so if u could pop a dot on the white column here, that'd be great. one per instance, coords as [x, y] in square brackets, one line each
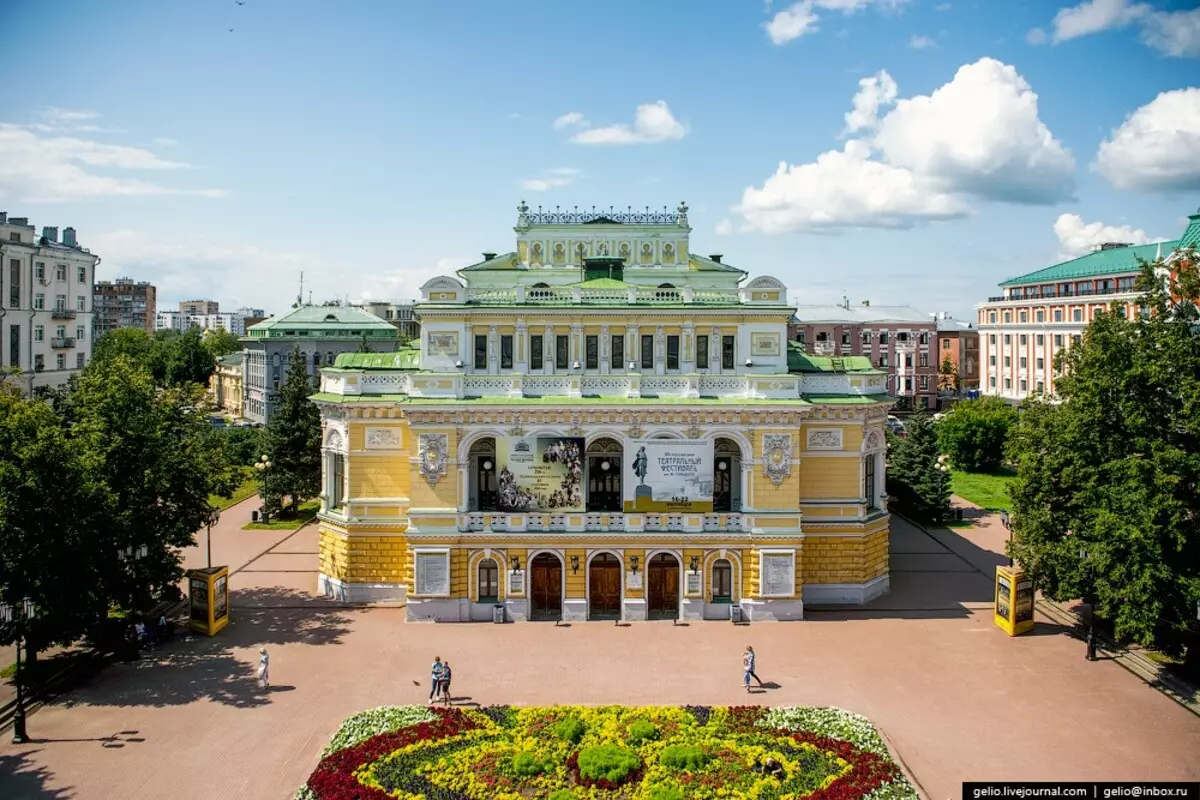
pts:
[605, 351]
[551, 348]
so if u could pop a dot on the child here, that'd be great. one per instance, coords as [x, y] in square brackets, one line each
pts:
[263, 663]
[445, 682]
[436, 682]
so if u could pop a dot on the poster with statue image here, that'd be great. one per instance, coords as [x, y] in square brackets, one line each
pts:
[669, 476]
[540, 473]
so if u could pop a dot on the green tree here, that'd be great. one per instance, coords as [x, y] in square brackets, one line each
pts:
[50, 505]
[243, 444]
[220, 342]
[160, 459]
[975, 432]
[293, 441]
[189, 361]
[1106, 503]
[916, 482]
[151, 352]
[947, 376]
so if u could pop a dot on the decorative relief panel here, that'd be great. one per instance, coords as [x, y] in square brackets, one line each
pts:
[824, 439]
[777, 456]
[383, 439]
[433, 451]
[873, 441]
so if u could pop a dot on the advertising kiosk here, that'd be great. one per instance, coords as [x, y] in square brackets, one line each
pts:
[1013, 607]
[208, 599]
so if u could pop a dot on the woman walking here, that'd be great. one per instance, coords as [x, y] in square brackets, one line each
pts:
[748, 669]
[436, 678]
[264, 662]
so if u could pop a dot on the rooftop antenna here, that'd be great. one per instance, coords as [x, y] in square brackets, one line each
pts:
[845, 301]
[300, 296]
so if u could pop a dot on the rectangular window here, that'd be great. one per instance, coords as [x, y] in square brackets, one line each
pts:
[647, 352]
[39, 362]
[1098, 310]
[81, 274]
[1077, 315]
[702, 350]
[1125, 284]
[1040, 387]
[60, 361]
[1008, 383]
[14, 345]
[728, 352]
[992, 339]
[14, 283]
[992, 360]
[672, 352]
[79, 332]
[489, 581]
[593, 353]
[923, 360]
[60, 332]
[869, 482]
[562, 352]
[722, 581]
[924, 383]
[923, 402]
[79, 303]
[1024, 340]
[846, 337]
[923, 338]
[60, 272]
[1024, 385]
[60, 302]
[536, 351]
[883, 337]
[506, 351]
[1007, 317]
[1007, 362]
[1040, 340]
[618, 351]
[1058, 340]
[800, 337]
[79, 361]
[992, 381]
[866, 337]
[1024, 362]
[1058, 315]
[480, 352]
[1041, 364]
[883, 359]
[1040, 316]
[1076, 339]
[39, 301]
[1007, 338]
[1024, 316]
[39, 333]
[992, 318]
[945, 344]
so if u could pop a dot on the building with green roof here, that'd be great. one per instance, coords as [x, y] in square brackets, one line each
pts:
[1041, 312]
[320, 332]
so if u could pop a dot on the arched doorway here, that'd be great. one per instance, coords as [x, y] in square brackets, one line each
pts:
[604, 587]
[482, 459]
[604, 475]
[727, 477]
[662, 587]
[545, 587]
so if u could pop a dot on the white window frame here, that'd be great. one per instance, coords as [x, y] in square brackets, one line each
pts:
[418, 554]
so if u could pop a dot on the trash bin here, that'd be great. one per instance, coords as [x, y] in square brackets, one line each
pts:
[958, 514]
[498, 613]
[254, 515]
[735, 613]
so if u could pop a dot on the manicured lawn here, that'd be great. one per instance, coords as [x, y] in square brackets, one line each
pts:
[247, 488]
[288, 521]
[988, 491]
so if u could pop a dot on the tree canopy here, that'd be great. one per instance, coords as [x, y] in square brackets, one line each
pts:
[293, 441]
[916, 482]
[172, 358]
[975, 432]
[1106, 503]
[220, 342]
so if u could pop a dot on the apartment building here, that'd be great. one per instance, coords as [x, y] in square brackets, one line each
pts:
[957, 348]
[899, 339]
[123, 303]
[46, 289]
[199, 307]
[401, 315]
[1040, 313]
[231, 321]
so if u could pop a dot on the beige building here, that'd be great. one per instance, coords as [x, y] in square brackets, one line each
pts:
[225, 385]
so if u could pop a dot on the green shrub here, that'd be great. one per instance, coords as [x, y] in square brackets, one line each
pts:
[642, 731]
[564, 794]
[666, 793]
[569, 730]
[526, 765]
[610, 762]
[975, 432]
[684, 757]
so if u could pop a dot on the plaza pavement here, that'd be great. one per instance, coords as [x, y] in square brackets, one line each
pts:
[958, 699]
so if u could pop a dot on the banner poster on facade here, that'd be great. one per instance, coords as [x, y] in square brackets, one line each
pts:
[540, 474]
[669, 476]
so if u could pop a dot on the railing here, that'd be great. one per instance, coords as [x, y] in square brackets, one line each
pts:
[1063, 295]
[629, 295]
[62, 313]
[594, 522]
[60, 342]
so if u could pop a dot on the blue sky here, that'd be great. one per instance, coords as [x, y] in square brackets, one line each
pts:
[375, 144]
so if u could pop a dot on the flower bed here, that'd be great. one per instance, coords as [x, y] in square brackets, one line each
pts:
[606, 753]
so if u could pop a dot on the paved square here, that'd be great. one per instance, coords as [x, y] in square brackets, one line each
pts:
[958, 699]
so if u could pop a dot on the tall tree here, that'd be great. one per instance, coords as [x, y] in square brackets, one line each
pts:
[50, 506]
[220, 342]
[144, 349]
[1106, 503]
[364, 346]
[916, 481]
[293, 441]
[975, 432]
[947, 376]
[189, 360]
[160, 459]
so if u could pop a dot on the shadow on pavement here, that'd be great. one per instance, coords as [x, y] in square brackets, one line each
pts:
[26, 781]
[195, 667]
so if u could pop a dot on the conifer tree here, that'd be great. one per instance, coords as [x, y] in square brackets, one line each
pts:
[916, 482]
[293, 442]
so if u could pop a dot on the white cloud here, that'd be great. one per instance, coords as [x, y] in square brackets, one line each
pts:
[652, 123]
[978, 136]
[1036, 36]
[165, 141]
[1157, 148]
[1173, 33]
[873, 92]
[918, 42]
[844, 189]
[800, 18]
[53, 115]
[1076, 237]
[942, 7]
[568, 120]
[724, 228]
[39, 169]
[551, 179]
[405, 283]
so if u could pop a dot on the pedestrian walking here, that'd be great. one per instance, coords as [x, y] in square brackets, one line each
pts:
[444, 684]
[436, 678]
[264, 662]
[748, 668]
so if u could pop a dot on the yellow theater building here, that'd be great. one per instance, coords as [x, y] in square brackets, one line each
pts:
[603, 425]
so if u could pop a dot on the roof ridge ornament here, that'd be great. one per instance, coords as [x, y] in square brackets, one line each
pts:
[575, 216]
[681, 214]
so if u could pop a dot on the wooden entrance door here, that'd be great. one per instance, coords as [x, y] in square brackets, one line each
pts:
[604, 587]
[662, 587]
[545, 587]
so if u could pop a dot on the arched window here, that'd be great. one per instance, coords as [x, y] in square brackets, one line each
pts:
[722, 581]
[489, 581]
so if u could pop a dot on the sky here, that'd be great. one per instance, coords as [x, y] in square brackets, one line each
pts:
[910, 152]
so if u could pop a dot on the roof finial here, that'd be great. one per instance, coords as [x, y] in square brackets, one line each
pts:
[681, 210]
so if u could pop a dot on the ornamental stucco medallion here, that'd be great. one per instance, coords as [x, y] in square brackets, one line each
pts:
[383, 438]
[432, 452]
[777, 456]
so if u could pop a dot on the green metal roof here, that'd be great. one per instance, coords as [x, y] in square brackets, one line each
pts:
[328, 320]
[231, 360]
[1191, 236]
[1116, 261]
[603, 283]
[800, 361]
[407, 358]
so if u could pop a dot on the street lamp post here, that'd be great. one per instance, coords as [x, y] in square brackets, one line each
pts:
[214, 516]
[1091, 632]
[262, 465]
[8, 614]
[1007, 523]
